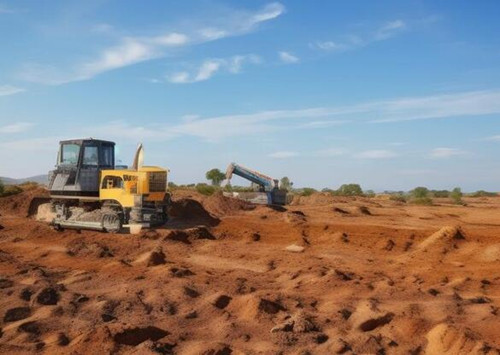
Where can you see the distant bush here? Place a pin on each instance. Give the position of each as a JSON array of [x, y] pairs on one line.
[[1, 188], [172, 186], [205, 189], [369, 193], [482, 193], [456, 195], [349, 190], [441, 193], [399, 197], [420, 196], [10, 190], [307, 191]]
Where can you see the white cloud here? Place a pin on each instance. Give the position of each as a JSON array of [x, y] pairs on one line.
[[283, 155], [389, 30], [330, 152], [133, 50], [16, 127], [287, 57], [376, 154], [354, 41], [6, 90], [211, 66], [444, 153], [190, 118], [327, 46]]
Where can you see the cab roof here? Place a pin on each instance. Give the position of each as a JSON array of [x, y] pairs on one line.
[[86, 140]]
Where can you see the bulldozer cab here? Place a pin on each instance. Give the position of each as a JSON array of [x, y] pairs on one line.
[[78, 167]]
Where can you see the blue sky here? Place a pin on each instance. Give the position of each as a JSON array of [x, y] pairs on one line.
[[388, 94]]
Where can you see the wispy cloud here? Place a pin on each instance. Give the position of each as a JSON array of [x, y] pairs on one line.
[[376, 154], [211, 66], [16, 127], [287, 57], [283, 155], [352, 41], [492, 138], [444, 153], [330, 152], [6, 90], [133, 50]]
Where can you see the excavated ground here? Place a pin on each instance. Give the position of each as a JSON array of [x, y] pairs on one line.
[[326, 275]]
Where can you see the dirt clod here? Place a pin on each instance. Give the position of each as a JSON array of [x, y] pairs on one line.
[[18, 313], [48, 296]]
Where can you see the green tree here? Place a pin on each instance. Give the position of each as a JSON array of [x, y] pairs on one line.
[[350, 190], [420, 195], [216, 176], [456, 195], [307, 191], [1, 187], [286, 184]]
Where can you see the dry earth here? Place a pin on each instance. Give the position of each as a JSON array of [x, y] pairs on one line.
[[326, 275]]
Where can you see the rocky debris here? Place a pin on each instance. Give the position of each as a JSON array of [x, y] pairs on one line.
[[299, 323], [364, 210], [255, 237], [188, 235], [270, 307], [191, 292], [294, 248], [374, 323], [390, 245], [62, 339], [340, 211], [345, 313], [30, 327], [26, 294], [79, 247], [221, 349], [48, 296], [156, 257], [176, 272], [222, 301], [135, 336], [191, 315], [345, 275], [297, 217], [15, 314], [6, 283]]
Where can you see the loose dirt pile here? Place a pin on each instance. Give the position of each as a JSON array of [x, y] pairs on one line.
[[220, 205], [19, 204], [190, 211], [220, 280]]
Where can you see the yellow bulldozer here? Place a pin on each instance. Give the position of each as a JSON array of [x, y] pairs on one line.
[[88, 191]]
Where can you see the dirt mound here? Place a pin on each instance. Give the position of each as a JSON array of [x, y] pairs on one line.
[[446, 237], [220, 205], [316, 199], [190, 211], [20, 204]]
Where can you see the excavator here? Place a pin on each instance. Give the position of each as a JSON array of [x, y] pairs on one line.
[[87, 190], [268, 186]]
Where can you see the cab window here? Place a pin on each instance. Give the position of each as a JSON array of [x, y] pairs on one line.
[[90, 156], [112, 182], [69, 154]]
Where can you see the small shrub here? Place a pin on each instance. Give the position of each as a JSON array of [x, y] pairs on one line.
[[420, 196], [422, 201], [441, 193], [11, 190], [399, 197], [456, 196], [307, 191], [205, 189], [482, 193]]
